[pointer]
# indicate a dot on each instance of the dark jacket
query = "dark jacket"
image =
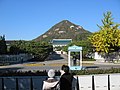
(66, 81)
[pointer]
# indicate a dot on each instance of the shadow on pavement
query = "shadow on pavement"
(90, 67)
(55, 56)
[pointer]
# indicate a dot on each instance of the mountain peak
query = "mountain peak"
(65, 21)
(64, 30)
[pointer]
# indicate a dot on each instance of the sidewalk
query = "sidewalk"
(106, 63)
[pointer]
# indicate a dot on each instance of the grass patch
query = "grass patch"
(87, 64)
(57, 64)
(33, 64)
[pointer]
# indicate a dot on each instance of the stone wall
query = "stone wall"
(14, 58)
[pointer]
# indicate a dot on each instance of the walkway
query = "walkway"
(55, 62)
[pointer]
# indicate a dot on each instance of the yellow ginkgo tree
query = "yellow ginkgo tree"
(107, 39)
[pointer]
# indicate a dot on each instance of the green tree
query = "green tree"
(107, 39)
(18, 47)
(3, 46)
(85, 44)
(40, 50)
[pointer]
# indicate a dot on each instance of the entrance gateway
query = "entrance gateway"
(75, 61)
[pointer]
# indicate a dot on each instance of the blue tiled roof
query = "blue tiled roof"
(74, 48)
(61, 41)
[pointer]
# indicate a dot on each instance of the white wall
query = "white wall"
(115, 81)
(15, 58)
(85, 82)
(100, 82)
(98, 57)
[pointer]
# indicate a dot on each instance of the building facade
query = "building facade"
(61, 42)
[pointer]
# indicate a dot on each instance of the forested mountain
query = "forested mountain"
(64, 30)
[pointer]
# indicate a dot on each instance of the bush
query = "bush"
(26, 73)
(97, 71)
(44, 72)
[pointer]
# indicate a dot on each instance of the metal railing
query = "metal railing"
(35, 83)
(17, 84)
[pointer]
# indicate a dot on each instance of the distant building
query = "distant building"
(8, 42)
(61, 42)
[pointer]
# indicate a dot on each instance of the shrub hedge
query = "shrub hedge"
(26, 73)
(96, 71)
(44, 72)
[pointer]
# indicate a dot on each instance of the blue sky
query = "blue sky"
(27, 19)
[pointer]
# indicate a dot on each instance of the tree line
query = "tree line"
(3, 46)
(39, 50)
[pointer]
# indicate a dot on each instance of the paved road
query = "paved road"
(54, 62)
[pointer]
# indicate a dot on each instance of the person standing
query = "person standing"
(51, 82)
(66, 78)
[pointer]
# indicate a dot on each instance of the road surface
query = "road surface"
(54, 62)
